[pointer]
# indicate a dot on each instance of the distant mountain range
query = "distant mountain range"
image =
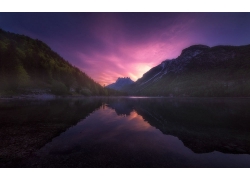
(121, 83)
(30, 66)
(199, 71)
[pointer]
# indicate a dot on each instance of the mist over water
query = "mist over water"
(126, 132)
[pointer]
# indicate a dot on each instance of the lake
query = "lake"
(125, 132)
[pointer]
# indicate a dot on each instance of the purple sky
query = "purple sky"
(111, 45)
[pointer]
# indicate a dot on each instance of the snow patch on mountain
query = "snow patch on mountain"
(177, 65)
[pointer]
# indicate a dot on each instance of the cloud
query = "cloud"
(110, 45)
(120, 56)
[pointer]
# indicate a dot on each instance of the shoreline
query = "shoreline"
(47, 96)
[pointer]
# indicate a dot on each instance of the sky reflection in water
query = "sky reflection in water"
(108, 139)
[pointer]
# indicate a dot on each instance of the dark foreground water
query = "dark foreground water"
(125, 132)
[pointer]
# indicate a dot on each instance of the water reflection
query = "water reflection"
(204, 125)
(135, 132)
(26, 126)
(125, 133)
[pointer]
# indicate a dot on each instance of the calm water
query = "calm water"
(126, 132)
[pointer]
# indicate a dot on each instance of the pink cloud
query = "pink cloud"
(128, 58)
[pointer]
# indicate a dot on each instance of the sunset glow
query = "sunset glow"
(110, 45)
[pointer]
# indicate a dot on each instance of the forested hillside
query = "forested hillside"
(28, 65)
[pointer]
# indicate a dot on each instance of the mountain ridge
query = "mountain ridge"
(28, 65)
(193, 71)
(120, 83)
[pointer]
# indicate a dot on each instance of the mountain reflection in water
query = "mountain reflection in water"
(152, 132)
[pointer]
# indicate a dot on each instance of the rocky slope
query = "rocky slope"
(120, 83)
(199, 71)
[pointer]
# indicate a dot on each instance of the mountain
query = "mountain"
(30, 66)
(120, 83)
(199, 71)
